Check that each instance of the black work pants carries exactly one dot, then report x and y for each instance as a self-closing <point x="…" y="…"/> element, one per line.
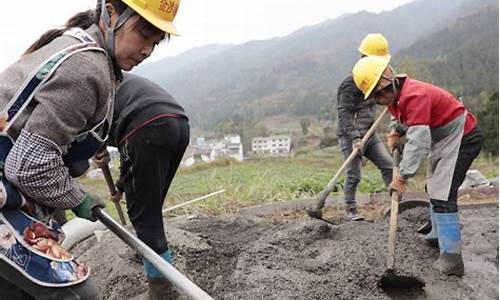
<point x="149" y="161"/>
<point x="376" y="152"/>
<point x="469" y="149"/>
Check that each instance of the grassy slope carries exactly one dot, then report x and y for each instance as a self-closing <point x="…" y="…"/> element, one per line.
<point x="270" y="180"/>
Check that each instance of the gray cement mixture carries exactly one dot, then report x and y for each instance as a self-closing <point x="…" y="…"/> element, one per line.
<point x="303" y="259"/>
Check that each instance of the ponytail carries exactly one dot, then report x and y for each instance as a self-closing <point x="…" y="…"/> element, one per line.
<point x="83" y="20"/>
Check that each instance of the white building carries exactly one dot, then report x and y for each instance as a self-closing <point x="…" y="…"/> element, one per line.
<point x="212" y="150"/>
<point x="230" y="146"/>
<point x="276" y="145"/>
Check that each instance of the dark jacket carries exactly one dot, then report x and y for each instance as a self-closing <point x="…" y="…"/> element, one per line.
<point x="355" y="114"/>
<point x="137" y="101"/>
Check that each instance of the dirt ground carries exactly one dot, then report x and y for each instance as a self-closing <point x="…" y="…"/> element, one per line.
<point x="244" y="258"/>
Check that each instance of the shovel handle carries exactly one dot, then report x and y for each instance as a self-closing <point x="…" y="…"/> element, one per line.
<point x="393" y="223"/>
<point x="109" y="179"/>
<point x="112" y="189"/>
<point x="321" y="199"/>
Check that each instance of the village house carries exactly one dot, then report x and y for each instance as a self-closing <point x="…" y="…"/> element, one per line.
<point x="211" y="150"/>
<point x="276" y="145"/>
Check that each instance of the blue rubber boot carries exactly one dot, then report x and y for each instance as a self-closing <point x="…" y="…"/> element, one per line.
<point x="431" y="238"/>
<point x="450" y="244"/>
<point x="151" y="271"/>
<point x="159" y="288"/>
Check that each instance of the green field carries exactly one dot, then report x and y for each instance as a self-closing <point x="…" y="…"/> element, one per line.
<point x="268" y="180"/>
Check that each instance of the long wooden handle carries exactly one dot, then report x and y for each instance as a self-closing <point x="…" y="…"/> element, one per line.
<point x="393" y="222"/>
<point x="321" y="199"/>
<point x="112" y="189"/>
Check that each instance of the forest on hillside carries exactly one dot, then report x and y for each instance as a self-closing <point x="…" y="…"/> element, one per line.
<point x="238" y="88"/>
<point x="462" y="58"/>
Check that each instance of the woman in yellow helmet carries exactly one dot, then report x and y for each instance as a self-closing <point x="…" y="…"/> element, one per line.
<point x="440" y="128"/>
<point x="56" y="103"/>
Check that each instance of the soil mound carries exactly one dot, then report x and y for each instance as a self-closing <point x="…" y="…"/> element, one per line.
<point x="303" y="259"/>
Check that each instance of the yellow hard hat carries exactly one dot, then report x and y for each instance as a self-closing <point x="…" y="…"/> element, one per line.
<point x="374" y="44"/>
<point x="160" y="13"/>
<point x="367" y="72"/>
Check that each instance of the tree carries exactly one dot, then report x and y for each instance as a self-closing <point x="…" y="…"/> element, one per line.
<point x="305" y="123"/>
<point x="489" y="123"/>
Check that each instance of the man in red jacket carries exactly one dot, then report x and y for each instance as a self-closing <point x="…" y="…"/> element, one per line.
<point x="440" y="128"/>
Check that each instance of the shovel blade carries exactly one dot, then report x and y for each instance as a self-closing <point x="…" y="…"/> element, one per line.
<point x="315" y="213"/>
<point x="318" y="215"/>
<point x="392" y="281"/>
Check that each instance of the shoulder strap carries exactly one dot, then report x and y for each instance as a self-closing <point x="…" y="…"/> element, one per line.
<point x="80" y="35"/>
<point x="42" y="73"/>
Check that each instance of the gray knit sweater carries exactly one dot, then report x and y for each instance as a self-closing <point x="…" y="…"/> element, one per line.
<point x="73" y="100"/>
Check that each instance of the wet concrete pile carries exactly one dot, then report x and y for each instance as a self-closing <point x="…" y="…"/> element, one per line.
<point x="303" y="259"/>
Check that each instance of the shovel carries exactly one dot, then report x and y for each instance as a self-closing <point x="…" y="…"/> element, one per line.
<point x="111" y="186"/>
<point x="317" y="212"/>
<point x="167" y="270"/>
<point x="390" y="279"/>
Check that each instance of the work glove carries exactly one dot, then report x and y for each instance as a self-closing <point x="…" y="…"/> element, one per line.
<point x="393" y="140"/>
<point x="101" y="158"/>
<point x="357" y="144"/>
<point x="84" y="209"/>
<point x="397" y="185"/>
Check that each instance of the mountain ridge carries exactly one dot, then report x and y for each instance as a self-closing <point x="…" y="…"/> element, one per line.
<point x="296" y="74"/>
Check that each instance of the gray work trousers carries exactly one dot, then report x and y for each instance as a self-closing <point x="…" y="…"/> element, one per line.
<point x="376" y="152"/>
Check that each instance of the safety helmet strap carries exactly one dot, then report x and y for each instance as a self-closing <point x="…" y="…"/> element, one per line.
<point x="110" y="34"/>
<point x="123" y="17"/>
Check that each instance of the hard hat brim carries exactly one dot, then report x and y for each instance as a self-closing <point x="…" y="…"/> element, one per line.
<point x="168" y="27"/>
<point x="379" y="75"/>
<point x="162" y="24"/>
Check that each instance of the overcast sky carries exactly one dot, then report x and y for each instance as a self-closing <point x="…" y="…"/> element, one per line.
<point x="200" y="22"/>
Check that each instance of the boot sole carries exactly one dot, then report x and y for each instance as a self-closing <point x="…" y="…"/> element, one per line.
<point x="444" y="266"/>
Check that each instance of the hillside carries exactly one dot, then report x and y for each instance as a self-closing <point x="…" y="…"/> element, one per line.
<point x="463" y="57"/>
<point x="172" y="65"/>
<point x="294" y="75"/>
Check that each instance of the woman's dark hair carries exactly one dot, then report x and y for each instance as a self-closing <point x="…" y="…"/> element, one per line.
<point x="85" y="19"/>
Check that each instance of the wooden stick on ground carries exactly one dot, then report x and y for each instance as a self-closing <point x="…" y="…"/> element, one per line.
<point x="192" y="201"/>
